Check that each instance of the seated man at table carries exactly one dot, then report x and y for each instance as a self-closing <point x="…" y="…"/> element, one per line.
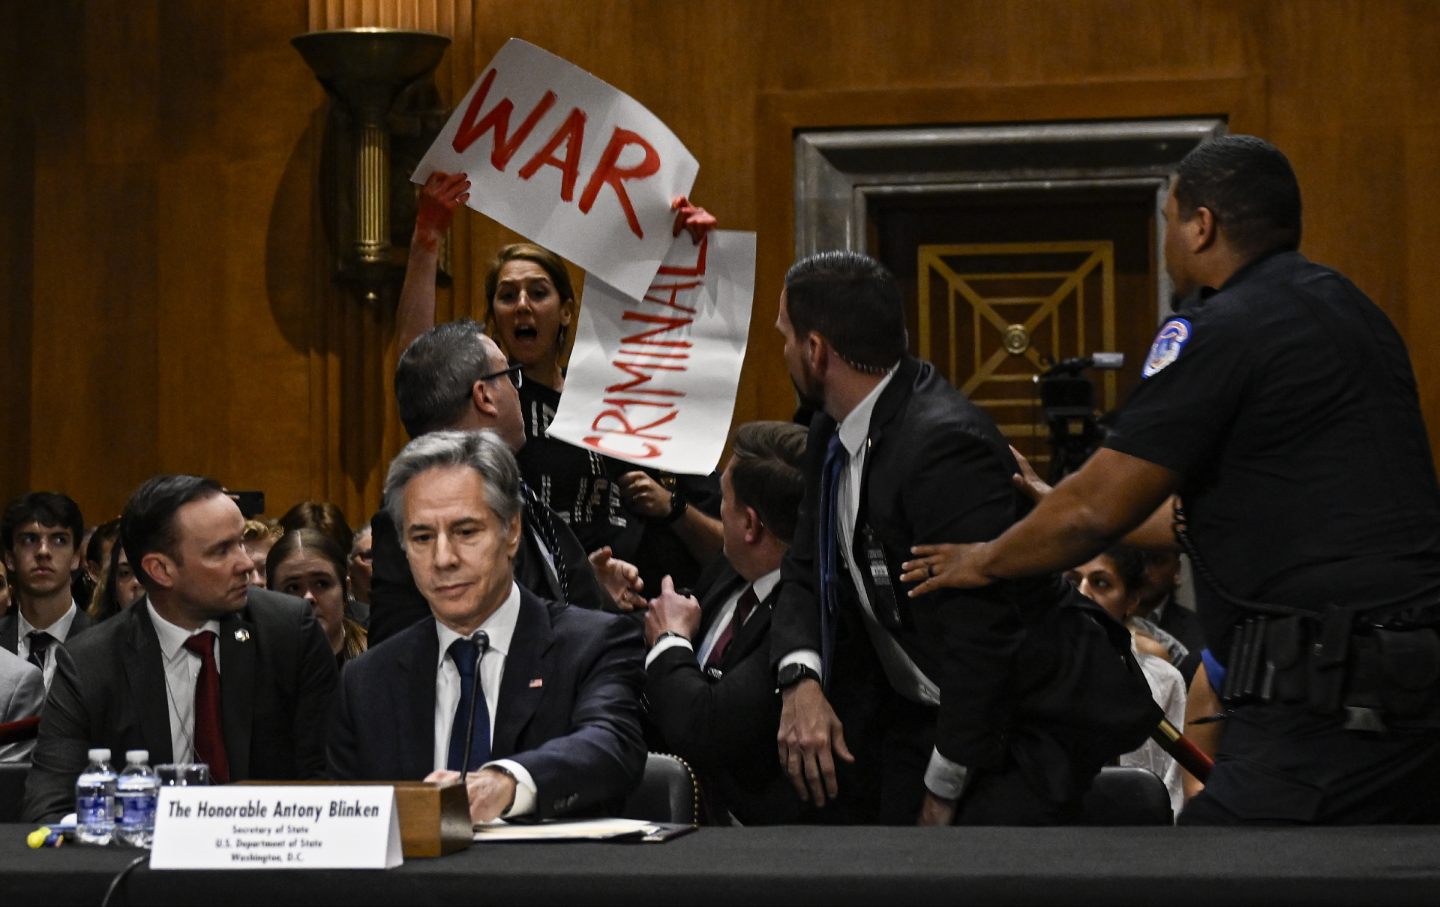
<point x="555" y="727"/>
<point x="203" y="669"/>
<point x="709" y="689"/>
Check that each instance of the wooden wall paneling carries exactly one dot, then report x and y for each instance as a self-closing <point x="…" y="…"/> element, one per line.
<point x="17" y="224"/>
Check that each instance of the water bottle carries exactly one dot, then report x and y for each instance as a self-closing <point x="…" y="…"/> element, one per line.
<point x="95" y="800"/>
<point x="136" y="791"/>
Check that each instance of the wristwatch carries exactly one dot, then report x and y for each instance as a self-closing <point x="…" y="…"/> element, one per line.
<point x="678" y="505"/>
<point x="792" y="674"/>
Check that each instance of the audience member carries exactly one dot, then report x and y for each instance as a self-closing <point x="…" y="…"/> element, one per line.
<point x="323" y="516"/>
<point x="22" y="692"/>
<point x="1160" y="606"/>
<point x="1115" y="581"/>
<point x="361" y="566"/>
<point x="4" y="588"/>
<point x="660" y="522"/>
<point x="40" y="532"/>
<point x="709" y="689"/>
<point x="308" y="564"/>
<point x="206" y="669"/>
<point x="453" y="377"/>
<point x="98" y="545"/>
<point x="260" y="536"/>
<point x="119" y="587"/>
<point x="542" y="697"/>
<point x="990" y="708"/>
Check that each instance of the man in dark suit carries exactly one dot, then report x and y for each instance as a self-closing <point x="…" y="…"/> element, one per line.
<point x="958" y="707"/>
<point x="709" y="688"/>
<point x="536" y="700"/>
<point x="454" y="378"/>
<point x="204" y="668"/>
<point x="41" y="534"/>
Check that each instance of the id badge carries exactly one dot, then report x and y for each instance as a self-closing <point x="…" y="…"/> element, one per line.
<point x="889" y="608"/>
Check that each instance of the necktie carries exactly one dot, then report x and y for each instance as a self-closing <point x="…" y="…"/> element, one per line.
<point x="39" y="647"/>
<point x="466" y="653"/>
<point x="836" y="457"/>
<point x="209" y="730"/>
<point x="743" y="607"/>
<point x="540" y="519"/>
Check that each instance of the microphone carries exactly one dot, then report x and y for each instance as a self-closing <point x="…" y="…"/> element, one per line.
<point x="1078" y="364"/>
<point x="482" y="642"/>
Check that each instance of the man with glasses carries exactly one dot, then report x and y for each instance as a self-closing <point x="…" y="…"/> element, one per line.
<point x="454" y="378"/>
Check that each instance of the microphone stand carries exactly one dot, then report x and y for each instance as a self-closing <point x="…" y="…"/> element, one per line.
<point x="482" y="642"/>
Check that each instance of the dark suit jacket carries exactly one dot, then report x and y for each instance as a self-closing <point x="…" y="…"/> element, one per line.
<point x="577" y="732"/>
<point x="276" y="689"/>
<point x="10" y="626"/>
<point x="937" y="470"/>
<point x="395" y="603"/>
<point x="725" y="727"/>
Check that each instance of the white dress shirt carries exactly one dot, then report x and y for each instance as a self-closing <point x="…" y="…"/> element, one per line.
<point x="762" y="586"/>
<point x="943" y="777"/>
<point x="59" y="631"/>
<point x="182" y="669"/>
<point x="500" y="627"/>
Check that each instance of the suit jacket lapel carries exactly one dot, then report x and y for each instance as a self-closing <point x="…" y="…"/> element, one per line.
<point x="528" y="660"/>
<point x="891" y="401"/>
<point x="144" y="666"/>
<point x="725" y="585"/>
<point x="415" y="695"/>
<point x="238" y="658"/>
<point x="751" y="633"/>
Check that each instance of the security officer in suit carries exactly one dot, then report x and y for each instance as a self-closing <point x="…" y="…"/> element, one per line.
<point x="1283" y="410"/>
<point x="709" y="689"/>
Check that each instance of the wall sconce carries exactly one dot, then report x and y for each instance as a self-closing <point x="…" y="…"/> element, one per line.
<point x="364" y="70"/>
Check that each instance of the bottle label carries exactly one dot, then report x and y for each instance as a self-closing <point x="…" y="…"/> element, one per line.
<point x="137" y="810"/>
<point x="92" y="809"/>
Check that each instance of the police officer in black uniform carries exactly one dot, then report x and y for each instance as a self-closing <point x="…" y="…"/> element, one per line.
<point x="1282" y="409"/>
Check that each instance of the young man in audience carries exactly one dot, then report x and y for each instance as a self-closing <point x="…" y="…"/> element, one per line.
<point x="454" y="378"/>
<point x="537" y="701"/>
<point x="205" y="669"/>
<point x="709" y="689"/>
<point x="41" y="533"/>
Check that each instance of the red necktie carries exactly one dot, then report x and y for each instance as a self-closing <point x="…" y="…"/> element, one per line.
<point x="209" y="731"/>
<point x="747" y="603"/>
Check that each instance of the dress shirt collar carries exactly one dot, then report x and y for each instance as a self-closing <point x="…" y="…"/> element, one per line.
<point x="59" y="630"/>
<point x="766" y="584"/>
<point x="500" y="627"/>
<point x="172" y="636"/>
<point x="856" y="427"/>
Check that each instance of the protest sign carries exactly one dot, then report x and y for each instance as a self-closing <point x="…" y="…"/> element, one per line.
<point x="652" y="380"/>
<point x="573" y="164"/>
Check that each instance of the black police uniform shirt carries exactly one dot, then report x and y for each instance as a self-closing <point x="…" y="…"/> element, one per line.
<point x="1287" y="404"/>
<point x="583" y="488"/>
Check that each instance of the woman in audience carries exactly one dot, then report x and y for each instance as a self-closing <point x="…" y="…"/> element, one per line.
<point x="1115" y="581"/>
<point x="322" y="515"/>
<point x="306" y="563"/>
<point x="663" y="524"/>
<point x="118" y="587"/>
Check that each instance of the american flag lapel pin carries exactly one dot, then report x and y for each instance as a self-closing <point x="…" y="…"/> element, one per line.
<point x="537" y="683"/>
<point x="242" y="635"/>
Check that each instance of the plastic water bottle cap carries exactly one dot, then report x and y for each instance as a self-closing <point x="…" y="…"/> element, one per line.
<point x="100" y="754"/>
<point x="137" y="757"/>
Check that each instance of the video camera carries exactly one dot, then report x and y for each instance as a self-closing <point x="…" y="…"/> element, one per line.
<point x="1068" y="399"/>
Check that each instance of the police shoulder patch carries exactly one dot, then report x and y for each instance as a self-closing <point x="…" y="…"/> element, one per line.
<point x="1169" y="341"/>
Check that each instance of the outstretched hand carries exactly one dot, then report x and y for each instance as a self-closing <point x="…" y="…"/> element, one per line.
<point x="1027" y="480"/>
<point x="937" y="567"/>
<point x="619" y="578"/>
<point x="671" y="612"/>
<point x="439" y="197"/>
<point x="694" y="219"/>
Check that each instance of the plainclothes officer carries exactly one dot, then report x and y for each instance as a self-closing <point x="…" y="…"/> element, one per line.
<point x="1283" y="410"/>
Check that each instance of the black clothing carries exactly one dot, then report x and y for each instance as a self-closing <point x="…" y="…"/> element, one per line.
<point x="1287" y="405"/>
<point x="1025" y="687"/>
<point x="582" y="487"/>
<point x="395" y="603"/>
<point x="725" y="726"/>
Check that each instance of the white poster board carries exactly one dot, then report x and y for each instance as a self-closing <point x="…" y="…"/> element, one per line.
<point x="575" y="165"/>
<point x="652" y="380"/>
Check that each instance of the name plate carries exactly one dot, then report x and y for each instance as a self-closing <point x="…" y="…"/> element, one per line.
<point x="280" y="827"/>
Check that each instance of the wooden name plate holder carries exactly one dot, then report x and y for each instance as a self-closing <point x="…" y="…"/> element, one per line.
<point x="434" y="818"/>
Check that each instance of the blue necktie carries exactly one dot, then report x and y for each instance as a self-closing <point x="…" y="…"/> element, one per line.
<point x="466" y="653"/>
<point x="836" y="458"/>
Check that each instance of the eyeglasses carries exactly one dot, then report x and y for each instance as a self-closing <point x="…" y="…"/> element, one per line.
<point x="517" y="377"/>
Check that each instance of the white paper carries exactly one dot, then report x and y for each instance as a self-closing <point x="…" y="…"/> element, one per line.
<point x="543" y="176"/>
<point x="564" y="830"/>
<point x="652" y="380"/>
<point x="276" y="827"/>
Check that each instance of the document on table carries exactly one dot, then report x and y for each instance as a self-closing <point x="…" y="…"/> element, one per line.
<point x="581" y="830"/>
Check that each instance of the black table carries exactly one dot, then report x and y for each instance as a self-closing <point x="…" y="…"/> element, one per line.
<point x="806" y="865"/>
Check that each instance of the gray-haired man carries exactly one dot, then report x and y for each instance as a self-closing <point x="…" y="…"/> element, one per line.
<point x="537" y="699"/>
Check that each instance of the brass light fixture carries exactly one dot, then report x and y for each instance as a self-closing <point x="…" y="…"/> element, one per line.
<point x="364" y="70"/>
